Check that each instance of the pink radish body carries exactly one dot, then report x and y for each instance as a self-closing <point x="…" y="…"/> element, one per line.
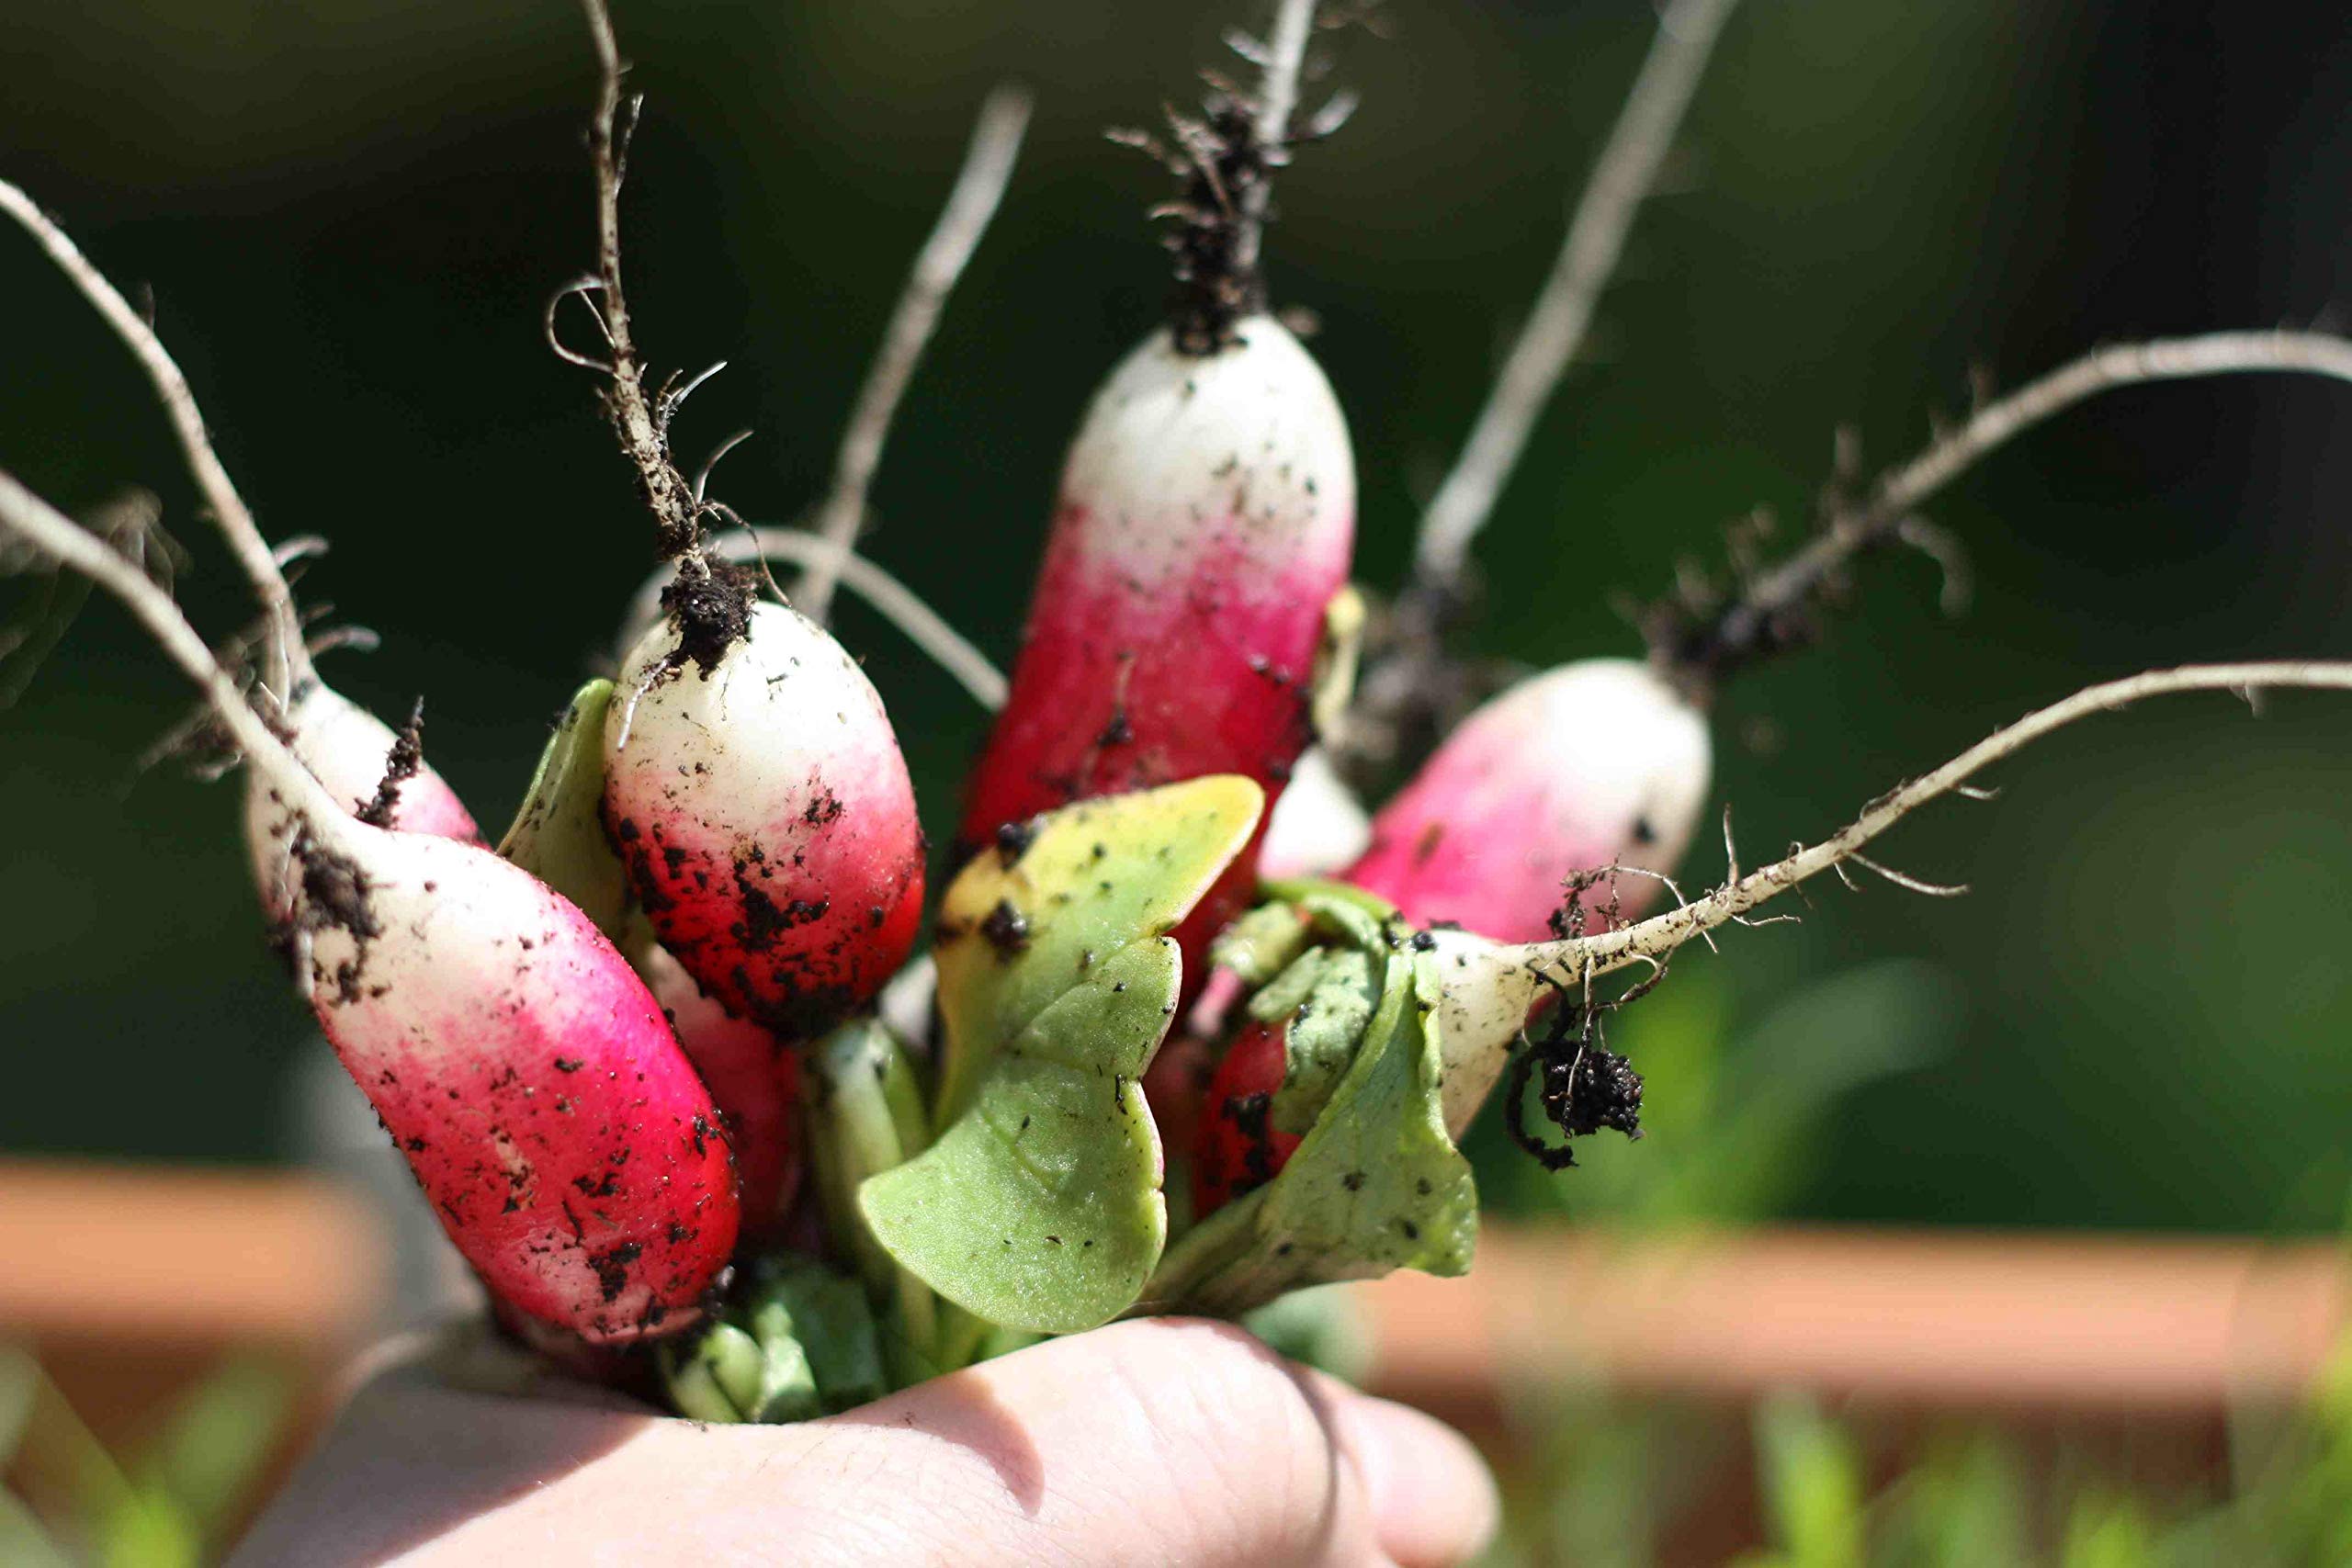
<point x="347" y="749"/>
<point x="753" y="1077"/>
<point x="526" y="1074"/>
<point x="1595" y="763"/>
<point x="1207" y="516"/>
<point x="762" y="812"/>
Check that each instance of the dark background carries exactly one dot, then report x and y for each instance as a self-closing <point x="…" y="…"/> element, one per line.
<point x="351" y="211"/>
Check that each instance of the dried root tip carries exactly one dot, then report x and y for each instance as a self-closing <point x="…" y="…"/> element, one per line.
<point x="712" y="610"/>
<point x="1221" y="163"/>
<point x="401" y="764"/>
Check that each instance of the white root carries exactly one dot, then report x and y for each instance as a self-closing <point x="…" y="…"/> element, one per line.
<point x="1622" y="178"/>
<point x="1488" y="989"/>
<point x="971" y="204"/>
<point x="59" y="537"/>
<point x="1890" y="508"/>
<point x="1281" y="58"/>
<point x="253" y="553"/>
<point x="1661" y="934"/>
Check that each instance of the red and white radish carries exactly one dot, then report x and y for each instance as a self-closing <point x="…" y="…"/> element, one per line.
<point x="524" y="1070"/>
<point x="1205" y="519"/>
<point x="566" y="1144"/>
<point x="762" y="808"/>
<point x="1597" y="763"/>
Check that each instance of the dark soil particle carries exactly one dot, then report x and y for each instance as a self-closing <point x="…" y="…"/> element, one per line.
<point x="765" y="920"/>
<point x="712" y="610"/>
<point x="612" y="1267"/>
<point x="1013" y="839"/>
<point x="1006" y="928"/>
<point x="401" y="764"/>
<point x="335" y="896"/>
<point x="826" y="809"/>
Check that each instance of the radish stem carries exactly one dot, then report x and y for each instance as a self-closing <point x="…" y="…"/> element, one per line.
<point x="979" y="187"/>
<point x="1622" y="178"/>
<point x="228" y="509"/>
<point x="53" y="533"/>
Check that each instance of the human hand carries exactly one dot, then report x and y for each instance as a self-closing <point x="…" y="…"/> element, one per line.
<point x="1162" y="1440"/>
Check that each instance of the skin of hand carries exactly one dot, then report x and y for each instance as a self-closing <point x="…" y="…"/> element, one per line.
<point x="1165" y="1440"/>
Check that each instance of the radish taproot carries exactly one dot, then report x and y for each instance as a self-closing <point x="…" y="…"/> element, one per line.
<point x="762" y="812"/>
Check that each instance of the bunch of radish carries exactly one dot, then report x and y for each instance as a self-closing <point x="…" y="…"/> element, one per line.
<point x="633" y="1053"/>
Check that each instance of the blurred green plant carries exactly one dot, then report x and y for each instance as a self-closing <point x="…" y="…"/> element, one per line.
<point x="1730" y="1116"/>
<point x="1605" y="1483"/>
<point x="169" y="1503"/>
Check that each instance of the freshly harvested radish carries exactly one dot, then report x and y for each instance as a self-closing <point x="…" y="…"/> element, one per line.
<point x="762" y="808"/>
<point x="525" y="1071"/>
<point x="1204" y="526"/>
<point x="1207" y="516"/>
<point x="522" y="1068"/>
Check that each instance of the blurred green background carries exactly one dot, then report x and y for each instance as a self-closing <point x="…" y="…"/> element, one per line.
<point x="351" y="212"/>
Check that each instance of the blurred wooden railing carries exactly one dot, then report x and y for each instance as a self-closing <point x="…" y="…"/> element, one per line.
<point x="112" y="1271"/>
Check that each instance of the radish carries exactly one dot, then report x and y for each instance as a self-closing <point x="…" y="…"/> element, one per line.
<point x="762" y="809"/>
<point x="1597" y="763"/>
<point x="1206" y="515"/>
<point x="517" y="1061"/>
<point x="559" y="837"/>
<point x="1204" y="526"/>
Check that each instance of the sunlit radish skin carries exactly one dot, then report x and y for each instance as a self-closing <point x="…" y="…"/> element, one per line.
<point x="347" y="749"/>
<point x="753" y="1077"/>
<point x="762" y="811"/>
<point x="1596" y="763"/>
<point x="1205" y="519"/>
<point x="525" y="1072"/>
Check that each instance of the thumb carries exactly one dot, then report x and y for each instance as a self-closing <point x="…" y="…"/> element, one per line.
<point x="1168" y="1441"/>
<point x="1175" y="1440"/>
